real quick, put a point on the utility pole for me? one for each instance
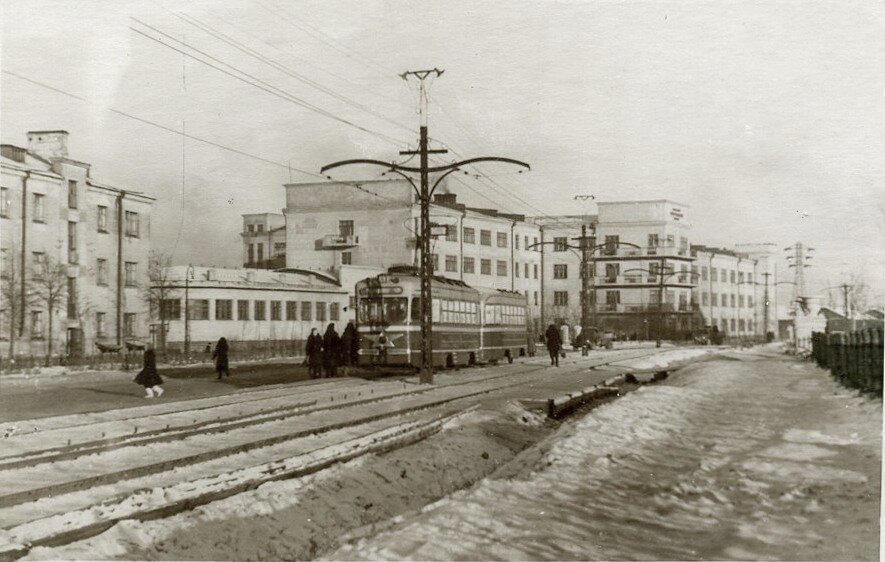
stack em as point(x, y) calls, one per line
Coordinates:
point(765, 313)
point(585, 266)
point(797, 262)
point(187, 331)
point(424, 193)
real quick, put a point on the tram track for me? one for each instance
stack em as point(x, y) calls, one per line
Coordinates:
point(64, 478)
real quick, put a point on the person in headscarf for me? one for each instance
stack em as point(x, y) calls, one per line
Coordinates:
point(350, 345)
point(148, 376)
point(314, 352)
point(554, 344)
point(220, 356)
point(331, 351)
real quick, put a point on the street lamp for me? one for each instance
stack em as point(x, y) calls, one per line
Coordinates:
point(187, 332)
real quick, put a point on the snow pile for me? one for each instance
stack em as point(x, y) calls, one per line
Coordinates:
point(665, 360)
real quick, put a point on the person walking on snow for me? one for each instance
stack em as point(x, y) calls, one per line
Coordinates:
point(220, 356)
point(148, 376)
point(331, 351)
point(554, 344)
point(350, 345)
point(314, 352)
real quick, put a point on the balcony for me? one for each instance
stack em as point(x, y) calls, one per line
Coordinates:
point(337, 242)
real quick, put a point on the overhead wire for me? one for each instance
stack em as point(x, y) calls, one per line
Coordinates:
point(253, 80)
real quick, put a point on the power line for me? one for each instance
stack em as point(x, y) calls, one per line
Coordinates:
point(164, 127)
point(255, 81)
point(274, 64)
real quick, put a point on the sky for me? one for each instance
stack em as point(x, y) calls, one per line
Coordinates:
point(766, 118)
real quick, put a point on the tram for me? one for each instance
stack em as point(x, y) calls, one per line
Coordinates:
point(470, 324)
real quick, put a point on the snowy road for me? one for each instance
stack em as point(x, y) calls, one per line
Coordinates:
point(748, 457)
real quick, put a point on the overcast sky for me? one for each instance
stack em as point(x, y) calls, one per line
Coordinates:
point(766, 118)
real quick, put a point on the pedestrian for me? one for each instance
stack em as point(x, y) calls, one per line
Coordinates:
point(554, 343)
point(220, 356)
point(314, 352)
point(148, 376)
point(350, 345)
point(331, 351)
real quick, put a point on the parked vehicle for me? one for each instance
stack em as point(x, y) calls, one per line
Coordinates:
point(469, 324)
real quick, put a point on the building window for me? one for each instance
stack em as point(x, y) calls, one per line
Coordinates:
point(5, 263)
point(502, 268)
point(612, 299)
point(732, 275)
point(535, 267)
point(525, 240)
point(170, 309)
point(39, 264)
point(346, 258)
point(102, 218)
point(740, 301)
point(321, 311)
point(291, 310)
point(502, 239)
point(731, 322)
point(39, 213)
point(72, 194)
point(276, 310)
point(131, 278)
point(732, 300)
point(560, 271)
point(705, 298)
point(224, 309)
point(279, 248)
point(36, 323)
point(4, 202)
point(611, 245)
point(100, 324)
point(333, 311)
point(129, 324)
point(612, 270)
point(536, 298)
point(485, 237)
point(260, 256)
point(526, 270)
point(259, 227)
point(469, 236)
point(516, 242)
point(434, 262)
point(198, 309)
point(485, 267)
point(72, 298)
point(451, 233)
point(306, 311)
point(749, 302)
point(535, 244)
point(683, 246)
point(654, 242)
point(132, 227)
point(740, 276)
point(260, 310)
point(560, 244)
point(345, 228)
point(704, 273)
point(72, 243)
point(516, 266)
point(452, 264)
point(242, 310)
point(250, 228)
point(560, 298)
point(468, 266)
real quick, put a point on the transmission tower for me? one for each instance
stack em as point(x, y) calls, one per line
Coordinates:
point(799, 254)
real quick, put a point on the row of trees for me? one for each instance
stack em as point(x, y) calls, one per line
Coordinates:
point(45, 287)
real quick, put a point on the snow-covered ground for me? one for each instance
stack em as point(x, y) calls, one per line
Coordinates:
point(752, 459)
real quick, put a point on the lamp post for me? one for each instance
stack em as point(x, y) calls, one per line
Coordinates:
point(187, 332)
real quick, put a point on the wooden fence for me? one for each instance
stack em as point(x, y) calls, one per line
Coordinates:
point(854, 358)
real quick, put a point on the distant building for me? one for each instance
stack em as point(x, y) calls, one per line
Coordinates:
point(249, 307)
point(57, 220)
point(729, 290)
point(264, 241)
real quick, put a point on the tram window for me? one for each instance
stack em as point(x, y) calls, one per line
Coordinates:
point(395, 310)
point(434, 308)
point(416, 309)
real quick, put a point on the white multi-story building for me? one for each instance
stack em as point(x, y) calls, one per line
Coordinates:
point(249, 307)
point(264, 241)
point(60, 226)
point(352, 229)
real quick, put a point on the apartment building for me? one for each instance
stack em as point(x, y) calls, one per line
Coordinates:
point(264, 241)
point(349, 229)
point(74, 252)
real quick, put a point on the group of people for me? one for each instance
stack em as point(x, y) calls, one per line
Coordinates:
point(325, 353)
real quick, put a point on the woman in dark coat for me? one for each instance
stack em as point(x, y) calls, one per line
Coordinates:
point(350, 345)
point(314, 352)
point(220, 356)
point(148, 376)
point(554, 344)
point(331, 351)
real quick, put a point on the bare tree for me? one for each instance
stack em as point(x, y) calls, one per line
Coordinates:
point(159, 290)
point(50, 287)
point(11, 294)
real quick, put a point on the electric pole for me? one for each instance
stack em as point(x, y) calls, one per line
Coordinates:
point(424, 193)
point(584, 245)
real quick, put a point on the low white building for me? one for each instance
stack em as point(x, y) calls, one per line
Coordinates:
point(249, 307)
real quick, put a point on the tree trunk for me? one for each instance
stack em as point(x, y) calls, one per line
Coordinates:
point(49, 346)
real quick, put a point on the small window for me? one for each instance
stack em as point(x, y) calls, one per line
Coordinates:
point(291, 310)
point(198, 309)
point(129, 324)
point(259, 227)
point(321, 311)
point(502, 268)
point(560, 271)
point(333, 311)
point(72, 194)
point(502, 239)
point(132, 224)
point(170, 309)
point(100, 324)
point(250, 228)
point(224, 309)
point(242, 310)
point(434, 262)
point(468, 266)
point(560, 298)
point(451, 233)
point(516, 266)
point(38, 267)
point(516, 242)
point(37, 324)
point(345, 228)
point(101, 271)
point(535, 267)
point(485, 237)
point(102, 218)
point(346, 258)
point(485, 267)
point(560, 244)
point(469, 235)
point(4, 202)
point(276, 310)
point(131, 278)
point(452, 264)
point(38, 211)
point(306, 311)
point(260, 310)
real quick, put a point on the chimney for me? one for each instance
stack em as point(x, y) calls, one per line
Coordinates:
point(48, 144)
point(445, 198)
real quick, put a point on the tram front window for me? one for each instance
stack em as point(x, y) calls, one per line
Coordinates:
point(395, 310)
